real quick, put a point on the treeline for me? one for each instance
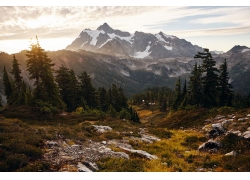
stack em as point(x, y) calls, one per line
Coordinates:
point(160, 96)
point(207, 87)
point(61, 89)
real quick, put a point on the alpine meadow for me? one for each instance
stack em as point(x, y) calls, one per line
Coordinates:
point(124, 89)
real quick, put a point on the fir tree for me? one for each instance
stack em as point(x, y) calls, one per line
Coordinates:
point(225, 93)
point(87, 90)
point(195, 87)
point(19, 86)
point(39, 66)
point(8, 89)
point(177, 100)
point(102, 99)
point(68, 87)
point(1, 101)
point(209, 80)
point(184, 90)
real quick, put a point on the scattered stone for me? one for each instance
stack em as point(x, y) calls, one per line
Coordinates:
point(246, 134)
point(217, 130)
point(248, 128)
point(208, 121)
point(52, 143)
point(232, 153)
point(218, 127)
point(91, 166)
point(141, 152)
point(200, 170)
point(214, 150)
point(104, 142)
point(164, 163)
point(248, 115)
point(102, 129)
point(219, 117)
point(82, 168)
point(211, 144)
point(241, 119)
point(151, 138)
point(226, 122)
point(238, 133)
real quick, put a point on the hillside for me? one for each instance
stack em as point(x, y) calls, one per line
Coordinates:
point(135, 75)
point(201, 141)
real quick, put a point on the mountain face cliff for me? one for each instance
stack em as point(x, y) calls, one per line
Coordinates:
point(137, 45)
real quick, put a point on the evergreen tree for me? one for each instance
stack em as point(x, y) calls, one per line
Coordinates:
point(1, 101)
point(162, 102)
point(39, 66)
point(87, 90)
point(209, 80)
point(184, 90)
point(102, 99)
point(225, 93)
point(178, 99)
point(19, 86)
point(68, 87)
point(28, 96)
point(16, 72)
point(8, 89)
point(195, 87)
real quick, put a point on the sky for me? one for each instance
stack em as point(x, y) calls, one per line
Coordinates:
point(217, 27)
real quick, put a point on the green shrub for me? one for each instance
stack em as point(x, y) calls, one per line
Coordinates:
point(160, 132)
point(120, 165)
point(112, 135)
point(16, 161)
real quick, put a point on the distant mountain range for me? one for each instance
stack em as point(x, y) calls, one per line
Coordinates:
point(112, 56)
point(138, 45)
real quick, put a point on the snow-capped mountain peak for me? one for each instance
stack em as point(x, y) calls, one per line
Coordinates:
point(137, 45)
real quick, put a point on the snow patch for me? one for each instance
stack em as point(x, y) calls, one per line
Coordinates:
point(125, 73)
point(94, 35)
point(142, 54)
point(168, 36)
point(105, 43)
point(170, 48)
point(178, 73)
point(158, 72)
point(159, 37)
point(129, 38)
point(84, 43)
point(244, 50)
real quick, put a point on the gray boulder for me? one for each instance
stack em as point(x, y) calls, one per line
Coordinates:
point(246, 134)
point(83, 168)
point(217, 130)
point(102, 129)
point(232, 153)
point(211, 144)
point(143, 153)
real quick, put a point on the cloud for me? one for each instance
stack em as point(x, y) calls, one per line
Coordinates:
point(214, 32)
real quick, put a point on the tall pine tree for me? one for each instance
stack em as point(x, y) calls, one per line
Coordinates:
point(209, 79)
point(225, 93)
point(8, 89)
point(68, 87)
point(39, 66)
point(178, 98)
point(195, 87)
point(87, 91)
point(19, 86)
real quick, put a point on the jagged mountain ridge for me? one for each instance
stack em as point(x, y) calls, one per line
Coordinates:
point(134, 75)
point(137, 45)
